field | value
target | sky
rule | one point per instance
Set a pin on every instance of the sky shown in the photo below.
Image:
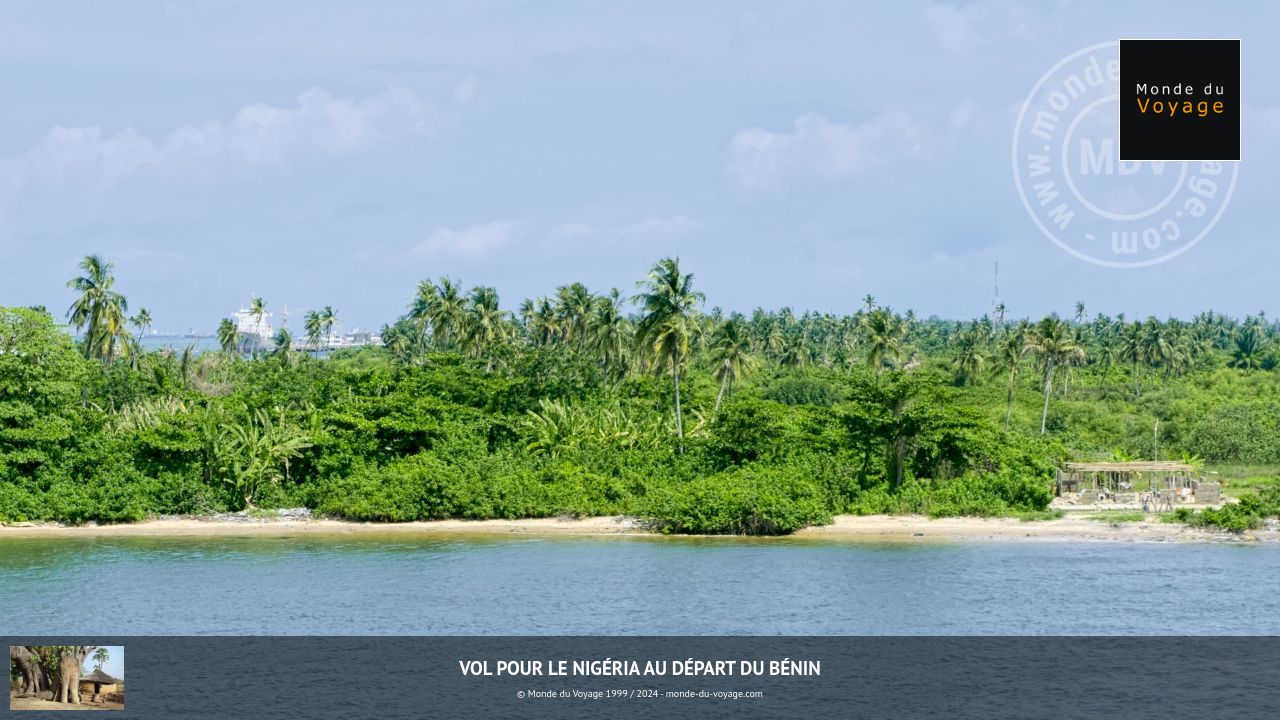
(791, 154)
(114, 666)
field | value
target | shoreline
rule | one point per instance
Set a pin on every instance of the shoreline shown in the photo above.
(851, 528)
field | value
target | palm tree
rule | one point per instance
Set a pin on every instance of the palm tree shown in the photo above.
(328, 319)
(228, 336)
(100, 657)
(541, 322)
(883, 333)
(970, 360)
(1052, 341)
(395, 340)
(422, 309)
(99, 310)
(574, 304)
(283, 350)
(448, 313)
(313, 325)
(1134, 349)
(142, 321)
(730, 353)
(1011, 350)
(1251, 348)
(668, 304)
(608, 330)
(1108, 350)
(257, 310)
(484, 324)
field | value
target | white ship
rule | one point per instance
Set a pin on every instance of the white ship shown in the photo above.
(257, 332)
(254, 328)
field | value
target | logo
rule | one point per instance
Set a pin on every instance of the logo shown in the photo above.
(1082, 196)
(1180, 100)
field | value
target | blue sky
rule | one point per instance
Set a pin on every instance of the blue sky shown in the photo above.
(800, 154)
(114, 666)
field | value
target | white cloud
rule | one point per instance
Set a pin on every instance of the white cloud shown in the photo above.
(962, 28)
(476, 241)
(817, 147)
(257, 135)
(954, 27)
(647, 229)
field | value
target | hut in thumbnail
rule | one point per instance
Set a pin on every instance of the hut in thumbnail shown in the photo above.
(97, 684)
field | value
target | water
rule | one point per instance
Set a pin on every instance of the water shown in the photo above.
(178, 344)
(629, 585)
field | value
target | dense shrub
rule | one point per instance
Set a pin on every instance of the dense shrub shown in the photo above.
(978, 494)
(743, 501)
(805, 391)
(1247, 514)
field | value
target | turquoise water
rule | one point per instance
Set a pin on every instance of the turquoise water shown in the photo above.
(628, 585)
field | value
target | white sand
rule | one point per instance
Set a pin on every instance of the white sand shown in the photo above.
(909, 528)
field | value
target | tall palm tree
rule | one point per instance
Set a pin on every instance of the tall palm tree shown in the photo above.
(328, 319)
(485, 324)
(731, 355)
(142, 321)
(883, 334)
(258, 310)
(1011, 350)
(313, 325)
(668, 304)
(422, 308)
(1107, 349)
(574, 304)
(542, 324)
(1134, 349)
(99, 310)
(228, 336)
(970, 358)
(448, 313)
(608, 331)
(1052, 341)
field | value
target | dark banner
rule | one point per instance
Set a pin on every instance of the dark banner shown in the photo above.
(693, 677)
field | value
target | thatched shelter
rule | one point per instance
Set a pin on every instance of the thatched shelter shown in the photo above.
(1166, 481)
(97, 684)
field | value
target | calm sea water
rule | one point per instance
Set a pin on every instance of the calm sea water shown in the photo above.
(500, 586)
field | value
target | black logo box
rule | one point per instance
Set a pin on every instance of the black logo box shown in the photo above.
(1187, 68)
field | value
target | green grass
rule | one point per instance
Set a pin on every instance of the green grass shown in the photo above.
(1117, 516)
(1240, 480)
(1037, 515)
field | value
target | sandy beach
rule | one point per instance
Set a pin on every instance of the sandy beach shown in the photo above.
(871, 528)
(43, 703)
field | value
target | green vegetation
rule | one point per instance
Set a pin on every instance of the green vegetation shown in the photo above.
(1117, 516)
(588, 403)
(1248, 514)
